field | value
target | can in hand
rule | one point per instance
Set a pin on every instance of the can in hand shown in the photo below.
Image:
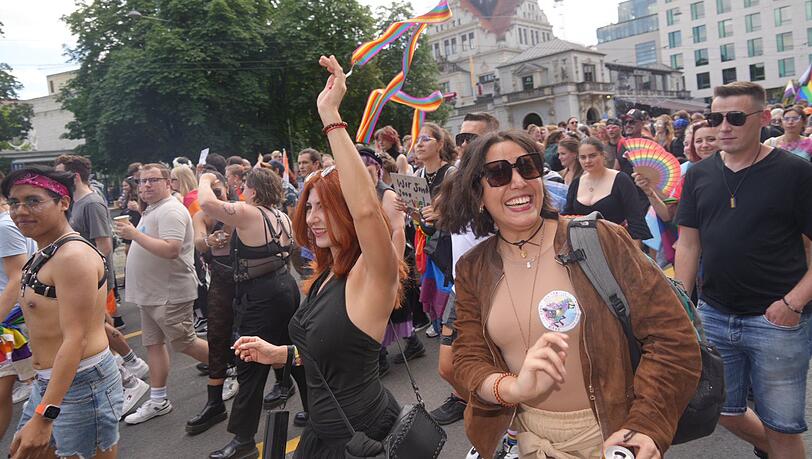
(617, 452)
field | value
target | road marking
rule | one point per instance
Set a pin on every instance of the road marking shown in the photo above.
(289, 448)
(133, 334)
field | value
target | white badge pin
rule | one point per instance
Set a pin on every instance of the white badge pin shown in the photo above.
(559, 311)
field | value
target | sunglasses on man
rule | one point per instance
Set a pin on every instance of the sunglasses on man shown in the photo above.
(735, 118)
(463, 137)
(500, 173)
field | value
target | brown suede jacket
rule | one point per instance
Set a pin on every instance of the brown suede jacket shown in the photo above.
(650, 401)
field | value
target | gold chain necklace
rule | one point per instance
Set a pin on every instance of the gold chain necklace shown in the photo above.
(526, 342)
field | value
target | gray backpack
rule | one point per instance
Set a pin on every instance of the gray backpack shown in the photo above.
(702, 414)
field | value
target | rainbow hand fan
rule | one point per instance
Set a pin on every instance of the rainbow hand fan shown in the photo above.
(651, 161)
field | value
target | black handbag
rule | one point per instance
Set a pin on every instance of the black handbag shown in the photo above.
(415, 435)
(276, 424)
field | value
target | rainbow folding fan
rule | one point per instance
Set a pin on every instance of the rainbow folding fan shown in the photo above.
(651, 161)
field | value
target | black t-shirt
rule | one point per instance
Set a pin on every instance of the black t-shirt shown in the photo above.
(619, 206)
(753, 254)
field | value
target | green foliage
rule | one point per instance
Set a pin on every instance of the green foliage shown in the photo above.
(15, 118)
(239, 76)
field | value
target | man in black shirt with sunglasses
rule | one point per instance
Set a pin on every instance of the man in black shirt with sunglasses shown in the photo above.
(745, 210)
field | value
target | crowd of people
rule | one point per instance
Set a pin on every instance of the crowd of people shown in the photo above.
(249, 266)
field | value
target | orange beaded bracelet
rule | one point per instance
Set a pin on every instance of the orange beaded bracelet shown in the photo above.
(496, 395)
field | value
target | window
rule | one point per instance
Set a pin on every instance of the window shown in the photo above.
(701, 57)
(524, 31)
(783, 42)
(471, 40)
(672, 16)
(728, 75)
(645, 53)
(51, 86)
(757, 72)
(447, 47)
(727, 52)
(589, 73)
(749, 3)
(453, 46)
(445, 87)
(703, 80)
(755, 47)
(752, 22)
(527, 82)
(808, 6)
(782, 16)
(725, 28)
(786, 67)
(723, 6)
(436, 50)
(700, 34)
(521, 38)
(809, 36)
(675, 39)
(464, 42)
(676, 61)
(697, 10)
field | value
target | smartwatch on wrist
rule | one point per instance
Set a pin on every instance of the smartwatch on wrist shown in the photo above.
(49, 412)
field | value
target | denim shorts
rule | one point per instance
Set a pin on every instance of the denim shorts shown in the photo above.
(772, 359)
(90, 411)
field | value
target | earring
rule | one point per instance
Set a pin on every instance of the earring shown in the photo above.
(481, 209)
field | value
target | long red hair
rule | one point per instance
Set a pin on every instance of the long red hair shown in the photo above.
(340, 229)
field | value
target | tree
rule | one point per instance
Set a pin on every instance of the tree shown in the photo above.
(422, 78)
(15, 117)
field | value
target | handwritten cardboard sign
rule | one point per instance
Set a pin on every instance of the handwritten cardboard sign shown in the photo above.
(413, 190)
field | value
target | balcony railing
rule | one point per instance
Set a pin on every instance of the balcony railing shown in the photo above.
(595, 86)
(535, 93)
(653, 92)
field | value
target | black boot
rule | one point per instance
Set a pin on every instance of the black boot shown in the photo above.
(414, 349)
(213, 412)
(237, 449)
(274, 397)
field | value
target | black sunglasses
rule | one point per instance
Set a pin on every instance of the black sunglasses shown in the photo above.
(736, 118)
(463, 137)
(500, 173)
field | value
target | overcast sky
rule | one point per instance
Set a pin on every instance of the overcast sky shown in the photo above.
(35, 36)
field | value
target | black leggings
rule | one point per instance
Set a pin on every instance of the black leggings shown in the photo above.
(263, 308)
(220, 319)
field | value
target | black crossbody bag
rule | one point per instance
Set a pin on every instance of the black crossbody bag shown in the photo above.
(276, 424)
(415, 435)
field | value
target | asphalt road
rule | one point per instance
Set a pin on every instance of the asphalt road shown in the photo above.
(165, 437)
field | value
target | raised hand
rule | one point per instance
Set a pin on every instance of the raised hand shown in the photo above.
(330, 98)
(542, 369)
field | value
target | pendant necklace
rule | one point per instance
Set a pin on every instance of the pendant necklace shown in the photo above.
(523, 242)
(744, 177)
(526, 341)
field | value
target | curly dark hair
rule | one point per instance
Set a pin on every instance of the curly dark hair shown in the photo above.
(460, 202)
(267, 185)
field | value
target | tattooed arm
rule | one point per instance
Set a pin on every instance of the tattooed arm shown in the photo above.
(234, 214)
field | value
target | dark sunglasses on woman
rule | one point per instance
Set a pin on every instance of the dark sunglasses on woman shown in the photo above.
(463, 137)
(735, 118)
(500, 173)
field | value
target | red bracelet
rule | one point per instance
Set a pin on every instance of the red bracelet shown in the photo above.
(334, 126)
(496, 395)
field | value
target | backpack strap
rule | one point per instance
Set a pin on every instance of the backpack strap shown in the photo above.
(582, 233)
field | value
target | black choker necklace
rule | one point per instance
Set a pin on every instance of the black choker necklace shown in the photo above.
(523, 242)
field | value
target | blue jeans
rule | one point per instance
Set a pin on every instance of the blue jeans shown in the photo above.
(90, 411)
(773, 359)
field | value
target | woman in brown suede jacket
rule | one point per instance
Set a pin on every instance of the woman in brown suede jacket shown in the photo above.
(537, 347)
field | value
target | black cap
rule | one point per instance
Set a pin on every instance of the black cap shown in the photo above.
(634, 114)
(370, 153)
(614, 121)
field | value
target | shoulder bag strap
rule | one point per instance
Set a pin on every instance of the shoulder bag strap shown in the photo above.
(406, 363)
(588, 252)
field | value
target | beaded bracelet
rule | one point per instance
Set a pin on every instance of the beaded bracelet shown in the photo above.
(496, 395)
(786, 303)
(334, 126)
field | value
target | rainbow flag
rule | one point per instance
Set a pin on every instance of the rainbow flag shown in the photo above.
(790, 92)
(805, 91)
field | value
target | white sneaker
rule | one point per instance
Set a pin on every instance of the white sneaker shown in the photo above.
(473, 454)
(149, 410)
(21, 392)
(133, 394)
(431, 333)
(230, 388)
(138, 368)
(507, 450)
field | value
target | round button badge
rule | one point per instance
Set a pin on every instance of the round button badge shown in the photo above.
(559, 311)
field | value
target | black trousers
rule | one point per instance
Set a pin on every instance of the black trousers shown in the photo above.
(263, 308)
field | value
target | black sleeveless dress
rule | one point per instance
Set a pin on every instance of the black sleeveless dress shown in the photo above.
(348, 360)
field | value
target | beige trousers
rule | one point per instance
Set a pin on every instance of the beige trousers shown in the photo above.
(558, 435)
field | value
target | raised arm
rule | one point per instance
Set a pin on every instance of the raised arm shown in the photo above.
(235, 214)
(356, 184)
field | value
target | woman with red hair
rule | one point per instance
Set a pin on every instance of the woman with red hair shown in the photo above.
(337, 336)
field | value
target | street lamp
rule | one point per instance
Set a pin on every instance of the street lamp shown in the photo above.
(135, 14)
